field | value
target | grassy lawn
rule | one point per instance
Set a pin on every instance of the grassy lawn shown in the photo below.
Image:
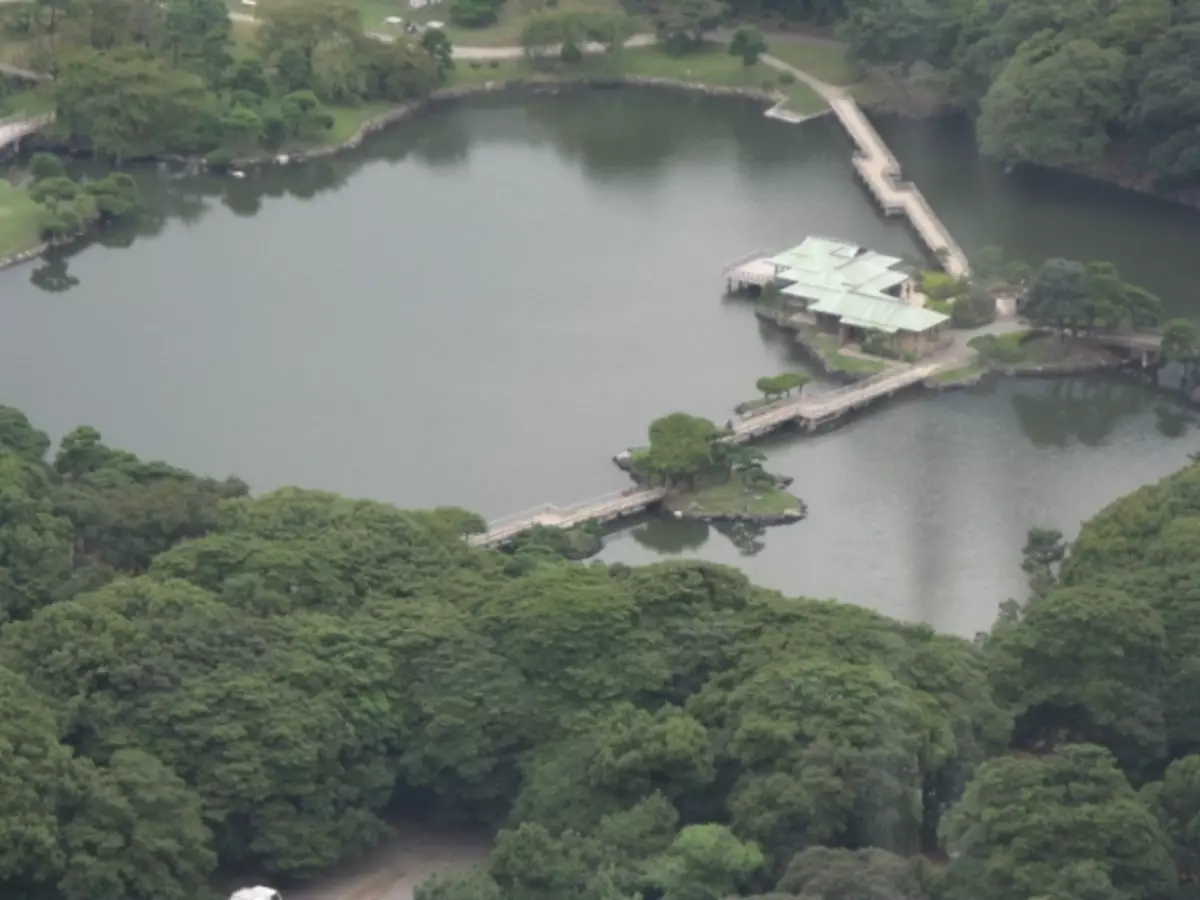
(825, 61)
(711, 65)
(1017, 348)
(20, 219)
(504, 32)
(347, 120)
(30, 102)
(827, 346)
(802, 99)
(962, 373)
(735, 497)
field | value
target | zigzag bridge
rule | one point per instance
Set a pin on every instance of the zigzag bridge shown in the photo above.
(807, 411)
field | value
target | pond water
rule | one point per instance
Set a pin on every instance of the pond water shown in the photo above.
(483, 306)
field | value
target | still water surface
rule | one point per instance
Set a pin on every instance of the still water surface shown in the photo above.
(482, 307)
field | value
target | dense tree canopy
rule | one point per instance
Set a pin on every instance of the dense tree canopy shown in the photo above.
(196, 681)
(150, 79)
(1050, 81)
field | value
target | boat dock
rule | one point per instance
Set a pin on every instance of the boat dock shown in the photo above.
(624, 503)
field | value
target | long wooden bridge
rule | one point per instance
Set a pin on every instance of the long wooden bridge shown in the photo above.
(628, 502)
(880, 171)
(811, 411)
(808, 411)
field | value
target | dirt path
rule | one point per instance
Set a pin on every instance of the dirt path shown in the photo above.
(393, 871)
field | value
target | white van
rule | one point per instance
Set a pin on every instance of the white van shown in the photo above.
(256, 893)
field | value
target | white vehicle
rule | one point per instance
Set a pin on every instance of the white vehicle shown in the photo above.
(256, 893)
(438, 25)
(393, 20)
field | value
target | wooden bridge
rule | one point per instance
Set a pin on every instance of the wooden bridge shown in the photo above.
(14, 129)
(880, 171)
(603, 509)
(814, 410)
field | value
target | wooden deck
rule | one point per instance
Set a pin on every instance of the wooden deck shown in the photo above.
(811, 411)
(603, 509)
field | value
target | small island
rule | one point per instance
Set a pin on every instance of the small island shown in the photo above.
(709, 476)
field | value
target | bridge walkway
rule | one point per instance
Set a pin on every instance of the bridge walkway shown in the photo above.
(880, 170)
(603, 509)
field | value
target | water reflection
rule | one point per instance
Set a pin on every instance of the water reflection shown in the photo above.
(1076, 409)
(670, 537)
(52, 275)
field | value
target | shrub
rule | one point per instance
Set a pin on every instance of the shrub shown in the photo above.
(876, 344)
(46, 165)
(940, 286)
(219, 158)
(571, 53)
(1005, 349)
(493, 64)
(787, 78)
(977, 308)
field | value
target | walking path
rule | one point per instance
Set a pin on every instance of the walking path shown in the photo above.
(881, 171)
(603, 509)
(14, 128)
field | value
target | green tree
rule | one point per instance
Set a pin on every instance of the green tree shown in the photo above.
(1047, 827)
(198, 37)
(1179, 340)
(1176, 802)
(138, 834)
(115, 196)
(1053, 104)
(1166, 107)
(705, 862)
(747, 43)
(436, 43)
(38, 778)
(680, 448)
(682, 24)
(18, 435)
(1085, 664)
(1057, 296)
(35, 544)
(303, 114)
(297, 38)
(46, 166)
(126, 104)
(824, 873)
(243, 129)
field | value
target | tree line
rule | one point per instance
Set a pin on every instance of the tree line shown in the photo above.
(197, 682)
(135, 78)
(1062, 83)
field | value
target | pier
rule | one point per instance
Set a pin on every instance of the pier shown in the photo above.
(624, 503)
(815, 410)
(881, 173)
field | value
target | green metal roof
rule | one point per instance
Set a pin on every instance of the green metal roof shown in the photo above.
(878, 313)
(840, 279)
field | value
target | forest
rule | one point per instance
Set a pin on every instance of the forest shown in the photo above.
(197, 682)
(1109, 86)
(135, 79)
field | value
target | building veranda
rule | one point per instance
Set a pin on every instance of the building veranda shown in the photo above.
(858, 295)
